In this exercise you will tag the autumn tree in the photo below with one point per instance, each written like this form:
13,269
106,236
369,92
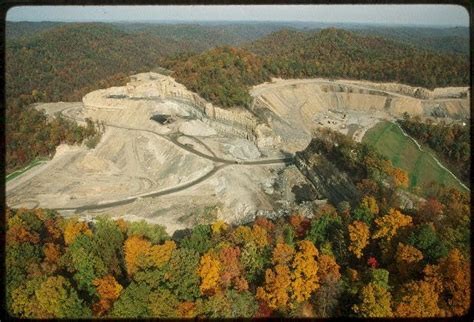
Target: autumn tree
73,228
326,296
375,301
305,270
452,280
108,290
399,177
53,297
284,285
359,237
418,299
209,274
388,225
282,254
231,271
277,284
407,259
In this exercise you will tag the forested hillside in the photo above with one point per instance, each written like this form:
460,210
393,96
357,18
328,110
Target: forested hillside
222,75
374,259
339,53
27,28
67,61
331,53
204,37
447,40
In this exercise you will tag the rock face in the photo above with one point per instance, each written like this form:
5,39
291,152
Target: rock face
294,108
329,182
146,89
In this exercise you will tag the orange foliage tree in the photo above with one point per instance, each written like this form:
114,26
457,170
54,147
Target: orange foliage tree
135,249
328,266
419,299
452,280
208,271
407,258
231,270
399,177
297,284
108,290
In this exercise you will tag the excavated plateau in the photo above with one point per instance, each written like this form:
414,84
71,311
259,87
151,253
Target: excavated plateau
172,158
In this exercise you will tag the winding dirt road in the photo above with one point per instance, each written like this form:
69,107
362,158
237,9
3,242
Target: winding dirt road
173,138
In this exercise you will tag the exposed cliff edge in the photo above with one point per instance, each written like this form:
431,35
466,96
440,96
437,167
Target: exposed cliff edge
329,182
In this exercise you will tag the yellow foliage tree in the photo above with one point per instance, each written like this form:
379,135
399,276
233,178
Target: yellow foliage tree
282,254
277,284
136,249
359,236
375,302
419,300
370,203
389,224
305,270
408,254
297,284
73,228
242,235
219,227
209,272
260,236
161,254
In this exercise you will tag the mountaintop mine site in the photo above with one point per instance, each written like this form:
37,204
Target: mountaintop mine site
172,158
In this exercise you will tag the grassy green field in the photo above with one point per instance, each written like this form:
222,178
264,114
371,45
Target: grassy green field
21,171
388,139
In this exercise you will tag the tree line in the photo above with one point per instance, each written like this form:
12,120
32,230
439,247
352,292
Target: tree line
451,141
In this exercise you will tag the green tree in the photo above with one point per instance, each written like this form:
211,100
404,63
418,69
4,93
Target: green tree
154,233
199,240
133,302
182,277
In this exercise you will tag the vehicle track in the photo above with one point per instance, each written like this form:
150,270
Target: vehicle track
173,138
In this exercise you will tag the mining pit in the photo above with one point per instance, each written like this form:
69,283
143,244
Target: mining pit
170,157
